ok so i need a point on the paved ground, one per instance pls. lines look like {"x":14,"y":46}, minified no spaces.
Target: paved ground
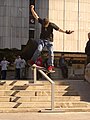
{"x":45,"y":116}
{"x":83,"y":89}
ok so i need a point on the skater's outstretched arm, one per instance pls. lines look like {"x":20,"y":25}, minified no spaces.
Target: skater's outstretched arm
{"x":65,"y":31}
{"x":33,"y":12}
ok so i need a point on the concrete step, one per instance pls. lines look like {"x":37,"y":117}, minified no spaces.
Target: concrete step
{"x":15,"y":110}
{"x":23,"y":82}
{"x":32,"y":86}
{"x":21,"y":87}
{"x":58,"y":110}
{"x":80,"y":109}
{"x":57,"y":82}
{"x":42,"y":104}
{"x":38,"y":92}
{"x":17,"y":90}
{"x":71,"y":104}
{"x":24,"y":104}
{"x":21,"y":96}
{"x":37,"y":98}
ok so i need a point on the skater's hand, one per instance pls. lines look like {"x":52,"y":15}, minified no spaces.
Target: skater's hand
{"x":69,"y":31}
{"x":32,"y":6}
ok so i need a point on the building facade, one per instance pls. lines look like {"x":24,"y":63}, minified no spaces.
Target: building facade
{"x":67,"y":14}
{"x":17,"y":25}
{"x":14,"y":23}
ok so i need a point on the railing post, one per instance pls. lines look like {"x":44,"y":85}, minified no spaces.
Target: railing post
{"x":52,"y":96}
{"x":35,"y":73}
{"x":52,"y":84}
{"x":52,"y":88}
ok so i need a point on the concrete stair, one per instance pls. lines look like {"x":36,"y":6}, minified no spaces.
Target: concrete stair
{"x":24,"y":96}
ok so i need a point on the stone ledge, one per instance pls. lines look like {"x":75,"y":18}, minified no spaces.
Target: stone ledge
{"x":87,"y":73}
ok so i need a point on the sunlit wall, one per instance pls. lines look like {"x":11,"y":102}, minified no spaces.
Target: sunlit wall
{"x":67,"y":14}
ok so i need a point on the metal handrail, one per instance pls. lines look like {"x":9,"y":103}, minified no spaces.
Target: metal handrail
{"x":35,"y":68}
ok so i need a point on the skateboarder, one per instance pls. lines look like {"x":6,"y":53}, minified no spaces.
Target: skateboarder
{"x":46,"y":38}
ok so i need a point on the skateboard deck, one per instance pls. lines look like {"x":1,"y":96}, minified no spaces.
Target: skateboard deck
{"x":43,"y":69}
{"x":29,"y":49}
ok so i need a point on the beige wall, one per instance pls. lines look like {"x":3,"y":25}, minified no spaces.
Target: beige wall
{"x":67,"y":14}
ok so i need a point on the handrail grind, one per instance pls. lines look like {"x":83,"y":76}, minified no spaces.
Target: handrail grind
{"x":35,"y":68}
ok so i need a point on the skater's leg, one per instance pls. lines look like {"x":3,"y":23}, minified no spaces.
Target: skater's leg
{"x":38,"y":50}
{"x":51,"y":54}
{"x":49,"y":46}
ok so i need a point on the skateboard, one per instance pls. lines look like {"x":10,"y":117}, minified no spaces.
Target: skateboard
{"x":29,"y":49}
{"x":43,"y":69}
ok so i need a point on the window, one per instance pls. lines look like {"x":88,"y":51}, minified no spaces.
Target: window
{"x":31,"y":34}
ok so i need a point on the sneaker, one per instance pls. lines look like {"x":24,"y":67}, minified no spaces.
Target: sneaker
{"x":51,"y":69}
{"x":30,"y":62}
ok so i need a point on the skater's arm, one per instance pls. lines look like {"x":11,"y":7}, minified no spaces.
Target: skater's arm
{"x":34,"y":13}
{"x":65,"y":31}
{"x":60,"y":30}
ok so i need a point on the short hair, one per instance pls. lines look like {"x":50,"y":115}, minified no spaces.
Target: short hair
{"x":45,"y":21}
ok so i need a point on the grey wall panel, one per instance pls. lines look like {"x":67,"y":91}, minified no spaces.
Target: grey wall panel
{"x":14,"y":23}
